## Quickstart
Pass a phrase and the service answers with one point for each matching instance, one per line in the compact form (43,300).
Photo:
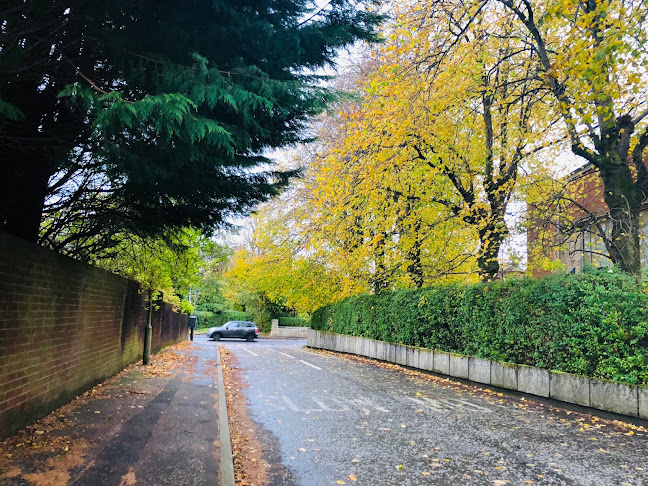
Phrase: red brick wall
(586,187)
(64,327)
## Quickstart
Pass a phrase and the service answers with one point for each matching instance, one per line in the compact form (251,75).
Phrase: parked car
(234,329)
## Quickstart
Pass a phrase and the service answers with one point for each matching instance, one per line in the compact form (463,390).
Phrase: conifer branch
(90,82)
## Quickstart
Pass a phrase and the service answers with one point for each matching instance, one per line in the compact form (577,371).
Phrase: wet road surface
(334,420)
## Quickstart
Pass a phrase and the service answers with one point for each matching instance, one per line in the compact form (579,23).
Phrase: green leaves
(592,324)
(174,104)
(10,111)
(173,264)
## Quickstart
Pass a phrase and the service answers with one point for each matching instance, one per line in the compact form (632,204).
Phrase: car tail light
(256,329)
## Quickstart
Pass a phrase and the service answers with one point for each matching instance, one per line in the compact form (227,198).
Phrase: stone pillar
(275,327)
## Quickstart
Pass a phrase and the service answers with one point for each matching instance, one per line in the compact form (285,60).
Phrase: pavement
(150,425)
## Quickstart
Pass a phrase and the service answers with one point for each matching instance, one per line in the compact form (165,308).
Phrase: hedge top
(593,324)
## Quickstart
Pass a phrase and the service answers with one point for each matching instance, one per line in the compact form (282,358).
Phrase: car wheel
(250,337)
(216,336)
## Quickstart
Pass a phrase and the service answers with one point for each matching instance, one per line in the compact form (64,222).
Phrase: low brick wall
(580,390)
(64,327)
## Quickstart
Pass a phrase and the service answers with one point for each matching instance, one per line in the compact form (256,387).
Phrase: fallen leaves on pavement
(161,364)
(45,453)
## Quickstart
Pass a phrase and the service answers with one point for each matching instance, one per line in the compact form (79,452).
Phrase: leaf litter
(50,451)
(250,466)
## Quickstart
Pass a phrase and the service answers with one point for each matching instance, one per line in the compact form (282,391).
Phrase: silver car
(234,329)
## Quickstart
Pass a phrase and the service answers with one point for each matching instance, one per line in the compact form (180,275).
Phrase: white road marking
(294,407)
(311,365)
(275,351)
(245,349)
(428,403)
(323,406)
(363,403)
(354,405)
(445,404)
(270,404)
(312,353)
(468,404)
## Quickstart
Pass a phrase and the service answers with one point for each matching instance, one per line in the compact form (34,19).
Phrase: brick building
(570,227)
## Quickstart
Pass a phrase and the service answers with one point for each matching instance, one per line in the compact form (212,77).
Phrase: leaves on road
(250,467)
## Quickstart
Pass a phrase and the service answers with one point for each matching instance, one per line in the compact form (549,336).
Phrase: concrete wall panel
(643,402)
(479,370)
(504,375)
(534,381)
(401,355)
(570,388)
(413,357)
(426,359)
(458,366)
(441,362)
(614,397)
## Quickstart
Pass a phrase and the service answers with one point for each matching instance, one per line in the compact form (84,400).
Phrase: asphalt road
(333,420)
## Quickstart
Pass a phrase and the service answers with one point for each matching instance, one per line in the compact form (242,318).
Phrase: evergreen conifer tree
(147,115)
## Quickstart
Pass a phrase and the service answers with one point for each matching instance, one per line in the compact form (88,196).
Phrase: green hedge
(210,306)
(593,324)
(215,319)
(293,322)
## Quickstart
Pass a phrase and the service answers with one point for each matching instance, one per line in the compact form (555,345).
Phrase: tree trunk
(23,188)
(379,281)
(491,236)
(31,150)
(624,204)
(415,266)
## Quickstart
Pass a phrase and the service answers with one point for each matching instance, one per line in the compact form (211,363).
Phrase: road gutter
(227,460)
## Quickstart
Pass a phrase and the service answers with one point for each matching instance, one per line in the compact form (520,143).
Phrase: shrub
(210,306)
(594,324)
(293,322)
(186,307)
(215,319)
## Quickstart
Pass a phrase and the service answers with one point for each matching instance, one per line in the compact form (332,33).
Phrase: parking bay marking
(361,403)
(245,349)
(311,365)
(294,357)
(444,405)
(313,353)
(332,404)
